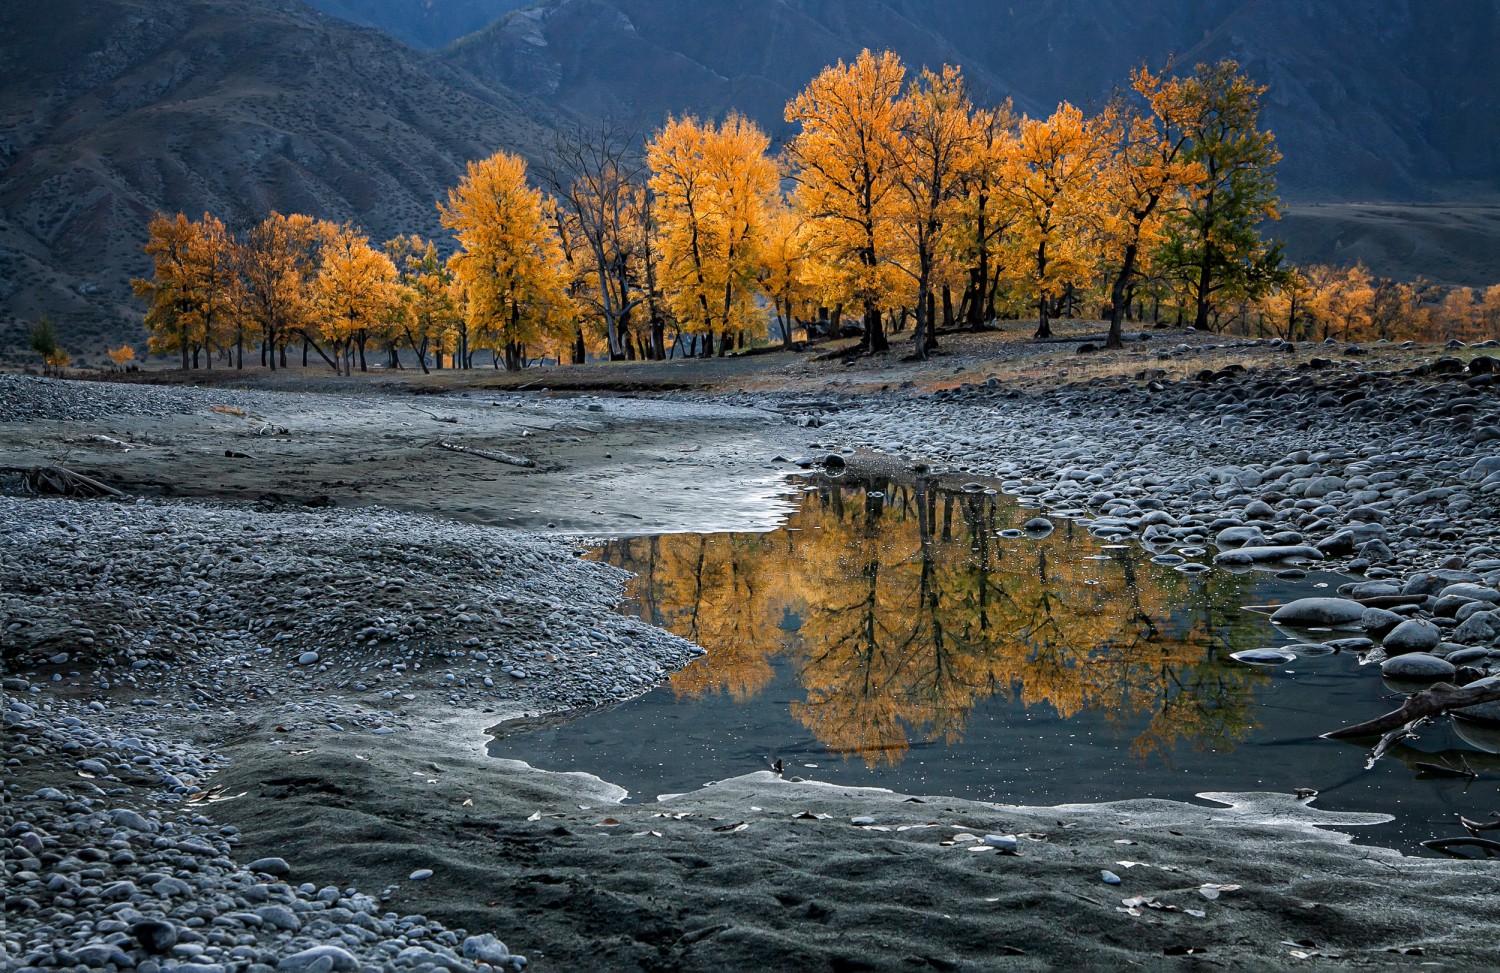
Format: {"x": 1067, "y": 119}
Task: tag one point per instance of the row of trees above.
{"x": 898, "y": 201}
{"x": 1348, "y": 304}
{"x": 293, "y": 279}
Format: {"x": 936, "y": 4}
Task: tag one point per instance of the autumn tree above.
{"x": 121, "y": 356}
{"x": 938, "y": 143}
{"x": 169, "y": 292}
{"x": 1214, "y": 243}
{"x": 783, "y": 264}
{"x": 428, "y": 281}
{"x": 355, "y": 293}
{"x": 1490, "y": 311}
{"x": 1048, "y": 179}
{"x": 278, "y": 261}
{"x": 844, "y": 160}
{"x": 195, "y": 295}
{"x": 510, "y": 261}
{"x": 218, "y": 291}
{"x": 1148, "y": 170}
{"x": 978, "y": 227}
{"x": 595, "y": 177}
{"x": 713, "y": 186}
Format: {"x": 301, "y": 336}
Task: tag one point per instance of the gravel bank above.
{"x": 147, "y": 626}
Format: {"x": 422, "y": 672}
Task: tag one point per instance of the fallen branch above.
{"x": 65, "y": 483}
{"x": 1441, "y": 698}
{"x": 437, "y": 418}
{"x": 500, "y": 457}
{"x": 1445, "y": 844}
{"x": 1404, "y": 732}
{"x": 1474, "y": 827}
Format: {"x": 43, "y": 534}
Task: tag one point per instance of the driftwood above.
{"x": 495, "y": 455}
{"x": 1474, "y": 827}
{"x": 1441, "y": 698}
{"x": 60, "y": 482}
{"x": 437, "y": 418}
{"x": 1445, "y": 844}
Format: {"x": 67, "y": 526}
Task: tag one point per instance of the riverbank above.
{"x": 268, "y": 727}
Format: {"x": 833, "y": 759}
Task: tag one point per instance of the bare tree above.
{"x": 596, "y": 175}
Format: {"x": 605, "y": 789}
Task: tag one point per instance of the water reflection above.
{"x": 900, "y": 608}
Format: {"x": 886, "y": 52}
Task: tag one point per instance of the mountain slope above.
{"x": 233, "y": 106}
{"x": 425, "y": 24}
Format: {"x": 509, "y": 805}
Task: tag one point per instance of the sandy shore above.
{"x": 364, "y": 788}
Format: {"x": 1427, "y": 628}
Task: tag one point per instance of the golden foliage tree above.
{"x": 939, "y": 142}
{"x": 357, "y": 294}
{"x": 429, "y": 283}
{"x": 844, "y": 160}
{"x": 510, "y": 264}
{"x": 169, "y": 292}
{"x": 278, "y": 262}
{"x": 978, "y": 227}
{"x": 195, "y": 295}
{"x": 1148, "y": 170}
{"x": 713, "y": 187}
{"x": 121, "y": 356}
{"x": 783, "y": 266}
{"x": 1048, "y": 182}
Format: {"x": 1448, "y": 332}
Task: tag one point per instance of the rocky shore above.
{"x": 208, "y": 704}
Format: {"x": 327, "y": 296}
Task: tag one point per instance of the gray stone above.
{"x": 1484, "y": 712}
{"x": 324, "y": 957}
{"x": 1268, "y": 555}
{"x": 1417, "y": 667}
{"x": 154, "y": 935}
{"x": 1411, "y": 635}
{"x": 1319, "y": 611}
{"x": 275, "y": 867}
{"x": 485, "y": 949}
{"x": 279, "y": 916}
{"x": 1480, "y": 628}
{"x": 1231, "y": 537}
{"x": 1378, "y": 621}
{"x": 126, "y": 818}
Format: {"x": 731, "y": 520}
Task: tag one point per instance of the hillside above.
{"x": 424, "y": 24}
{"x": 1385, "y": 101}
{"x": 233, "y": 106}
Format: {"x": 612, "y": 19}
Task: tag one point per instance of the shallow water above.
{"x": 889, "y": 635}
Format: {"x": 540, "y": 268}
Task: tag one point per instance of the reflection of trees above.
{"x": 912, "y": 610}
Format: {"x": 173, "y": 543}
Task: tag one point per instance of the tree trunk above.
{"x": 580, "y": 352}
{"x": 1118, "y": 300}
{"x": 919, "y": 332}
{"x": 1043, "y": 327}
{"x": 947, "y": 307}
{"x": 1205, "y": 273}
{"x": 874, "y": 337}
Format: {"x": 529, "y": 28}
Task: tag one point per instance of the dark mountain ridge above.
{"x": 232, "y": 106}
{"x": 1395, "y": 100}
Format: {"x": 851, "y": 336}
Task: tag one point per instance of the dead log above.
{"x": 1441, "y": 698}
{"x": 1474, "y": 827}
{"x": 495, "y": 455}
{"x": 56, "y": 481}
{"x": 1446, "y": 846}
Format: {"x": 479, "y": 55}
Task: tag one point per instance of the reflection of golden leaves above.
{"x": 901, "y": 612}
